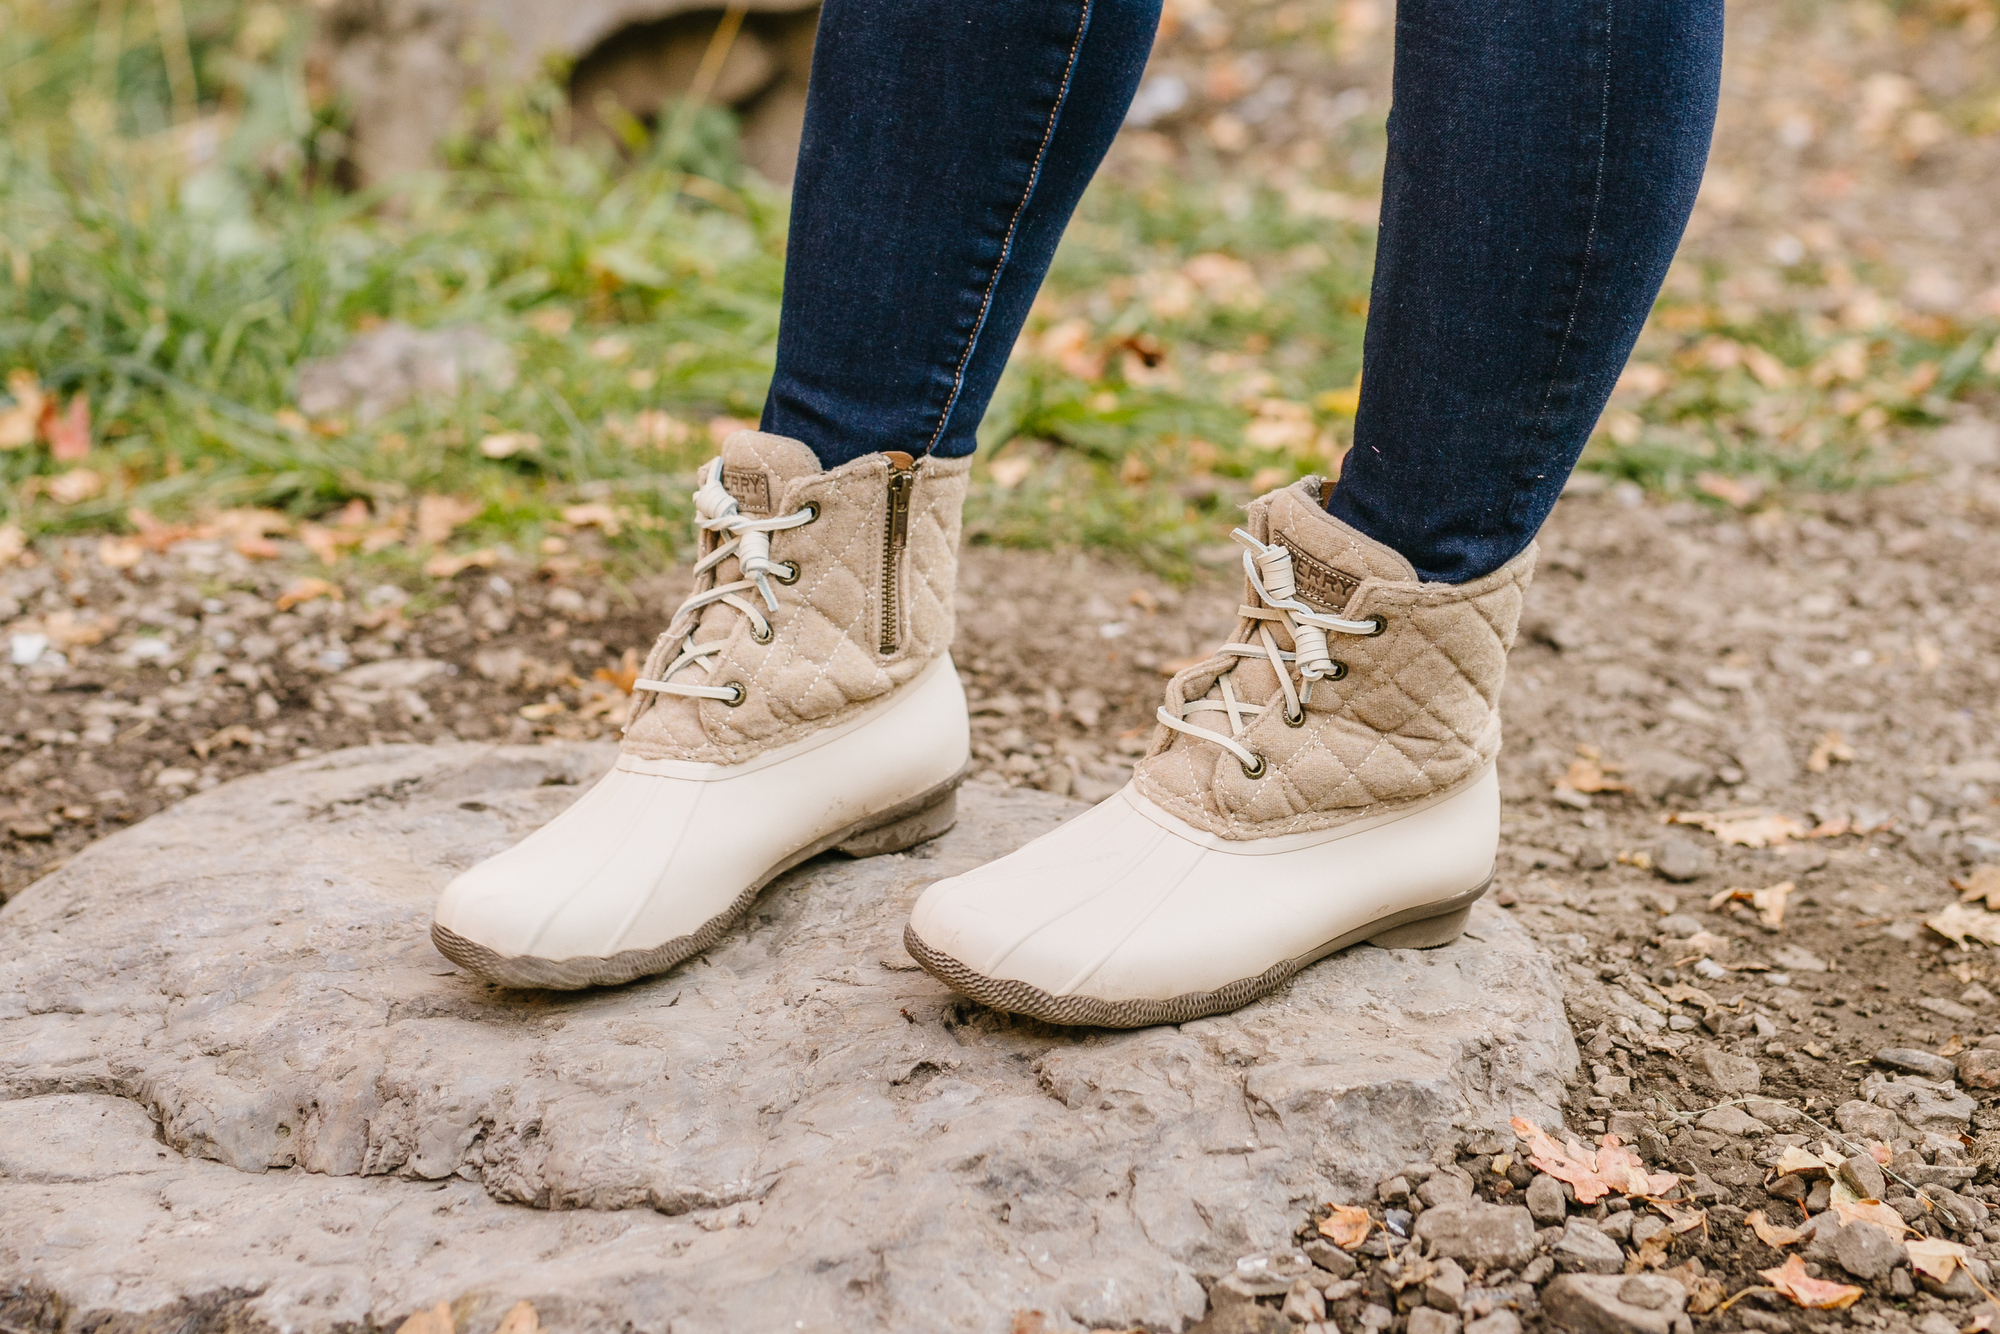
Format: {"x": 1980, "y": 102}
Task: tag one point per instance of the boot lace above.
{"x": 1269, "y": 570}
{"x": 749, "y": 540}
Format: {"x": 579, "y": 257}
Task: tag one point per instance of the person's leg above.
{"x": 946, "y": 144}
{"x": 1327, "y": 777}
{"x": 1543, "y": 158}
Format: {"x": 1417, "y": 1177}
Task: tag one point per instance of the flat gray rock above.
{"x": 233, "y": 1070}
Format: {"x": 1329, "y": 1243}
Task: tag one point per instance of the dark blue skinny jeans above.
{"x": 1543, "y": 159}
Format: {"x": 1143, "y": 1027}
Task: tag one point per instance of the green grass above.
{"x": 1199, "y": 339}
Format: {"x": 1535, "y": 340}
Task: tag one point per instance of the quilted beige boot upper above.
{"x": 871, "y": 608}
{"x": 1415, "y": 715}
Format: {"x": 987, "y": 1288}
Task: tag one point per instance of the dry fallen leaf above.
{"x": 439, "y": 516}
{"x": 624, "y": 675}
{"x": 1960, "y": 920}
{"x": 1828, "y": 750}
{"x": 506, "y": 444}
{"x": 75, "y": 486}
{"x": 1769, "y": 903}
{"x": 1771, "y": 1234}
{"x": 1731, "y": 490}
{"x": 73, "y": 630}
{"x": 1983, "y": 883}
{"x": 1796, "y": 1159}
{"x": 446, "y": 566}
{"x": 1871, "y": 1211}
{"x": 437, "y": 1320}
{"x": 68, "y": 432}
{"x": 1588, "y": 776}
{"x": 1934, "y": 1256}
{"x": 1611, "y": 1168}
{"x": 548, "y": 708}
{"x": 520, "y": 1319}
{"x": 305, "y": 590}
{"x": 248, "y": 531}
{"x": 12, "y": 543}
{"x": 1009, "y": 472}
{"x": 1791, "y": 1279}
{"x": 596, "y": 514}
{"x": 1346, "y": 1226}
{"x": 120, "y": 553}
{"x": 1683, "y": 994}
{"x": 236, "y": 734}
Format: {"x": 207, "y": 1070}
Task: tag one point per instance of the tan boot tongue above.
{"x": 756, "y": 466}
{"x": 1329, "y": 559}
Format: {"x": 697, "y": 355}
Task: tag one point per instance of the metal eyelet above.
{"x": 765, "y": 638}
{"x": 812, "y": 507}
{"x": 1381, "y": 624}
{"x": 1257, "y": 772}
{"x": 1295, "y": 719}
{"x": 1339, "y": 670}
{"x": 741, "y": 694}
{"x": 793, "y": 576}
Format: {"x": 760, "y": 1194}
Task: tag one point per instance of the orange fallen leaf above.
{"x": 1791, "y": 1280}
{"x": 520, "y": 1319}
{"x": 1983, "y": 883}
{"x": 153, "y": 534}
{"x": 593, "y": 514}
{"x": 248, "y": 531}
{"x": 306, "y": 590}
{"x": 445, "y": 566}
{"x": 624, "y": 675}
{"x": 1771, "y": 1234}
{"x": 439, "y": 516}
{"x": 1769, "y": 902}
{"x": 1744, "y": 828}
{"x": 1610, "y": 1168}
{"x": 1346, "y": 1226}
{"x": 1827, "y": 750}
{"x": 1871, "y": 1211}
{"x": 1935, "y": 1256}
{"x": 1731, "y": 490}
{"x": 1589, "y": 776}
{"x": 75, "y": 486}
{"x": 120, "y": 553}
{"x": 68, "y": 432}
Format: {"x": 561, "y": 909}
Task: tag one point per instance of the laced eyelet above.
{"x": 1339, "y": 670}
{"x": 1295, "y": 719}
{"x": 1257, "y": 772}
{"x": 812, "y": 507}
{"x": 1381, "y": 624}
{"x": 737, "y": 686}
{"x": 792, "y": 573}
{"x": 764, "y": 638}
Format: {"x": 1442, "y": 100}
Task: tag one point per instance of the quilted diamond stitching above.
{"x": 820, "y": 666}
{"x": 1416, "y": 717}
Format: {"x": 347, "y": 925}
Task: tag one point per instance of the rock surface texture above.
{"x": 232, "y": 1064}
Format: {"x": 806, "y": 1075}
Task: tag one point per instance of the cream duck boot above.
{"x": 801, "y": 699}
{"x": 1325, "y": 779}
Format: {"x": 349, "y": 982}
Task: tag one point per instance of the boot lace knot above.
{"x": 1268, "y": 567}
{"x": 749, "y": 540}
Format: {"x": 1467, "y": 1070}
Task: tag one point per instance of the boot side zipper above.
{"x": 895, "y": 534}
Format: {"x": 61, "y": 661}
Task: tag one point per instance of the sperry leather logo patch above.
{"x": 750, "y": 486}
{"x": 1318, "y": 582}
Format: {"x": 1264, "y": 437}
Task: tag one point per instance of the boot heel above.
{"x": 1427, "y": 934}
{"x": 907, "y": 830}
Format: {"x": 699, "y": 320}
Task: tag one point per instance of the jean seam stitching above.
{"x": 1596, "y": 209}
{"x": 1013, "y": 225}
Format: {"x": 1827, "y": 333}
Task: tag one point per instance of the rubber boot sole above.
{"x": 902, "y": 826}
{"x": 1427, "y": 926}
